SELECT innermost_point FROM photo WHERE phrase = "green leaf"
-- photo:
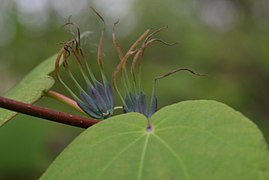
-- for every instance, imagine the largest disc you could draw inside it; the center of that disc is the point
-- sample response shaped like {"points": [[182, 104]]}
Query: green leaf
{"points": [[31, 88], [190, 140]]}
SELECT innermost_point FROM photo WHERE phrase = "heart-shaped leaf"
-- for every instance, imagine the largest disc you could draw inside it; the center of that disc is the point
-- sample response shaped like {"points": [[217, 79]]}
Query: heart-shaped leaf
{"points": [[31, 88], [189, 140]]}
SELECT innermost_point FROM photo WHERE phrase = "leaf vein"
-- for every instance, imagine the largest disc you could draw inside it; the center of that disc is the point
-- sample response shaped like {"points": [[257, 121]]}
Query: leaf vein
{"points": [[173, 152], [116, 156], [113, 136]]}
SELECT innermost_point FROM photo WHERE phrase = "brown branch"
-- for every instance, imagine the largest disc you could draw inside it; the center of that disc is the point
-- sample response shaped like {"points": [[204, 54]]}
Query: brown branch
{"points": [[46, 113]]}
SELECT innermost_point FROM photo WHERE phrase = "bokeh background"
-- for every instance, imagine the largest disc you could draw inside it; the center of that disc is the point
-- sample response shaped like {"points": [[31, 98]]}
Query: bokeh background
{"points": [[226, 39]]}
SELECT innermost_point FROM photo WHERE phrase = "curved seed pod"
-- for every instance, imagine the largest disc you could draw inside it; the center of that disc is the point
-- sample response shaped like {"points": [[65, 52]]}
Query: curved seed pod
{"points": [[98, 99], [129, 103], [141, 103], [88, 110], [90, 103], [153, 106], [153, 101], [107, 94]]}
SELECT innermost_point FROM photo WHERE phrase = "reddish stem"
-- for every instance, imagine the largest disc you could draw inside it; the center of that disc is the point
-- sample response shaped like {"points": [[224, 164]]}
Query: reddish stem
{"points": [[46, 113]]}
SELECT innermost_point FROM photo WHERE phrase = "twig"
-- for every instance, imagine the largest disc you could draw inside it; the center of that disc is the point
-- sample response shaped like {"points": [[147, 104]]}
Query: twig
{"points": [[46, 113], [64, 99]]}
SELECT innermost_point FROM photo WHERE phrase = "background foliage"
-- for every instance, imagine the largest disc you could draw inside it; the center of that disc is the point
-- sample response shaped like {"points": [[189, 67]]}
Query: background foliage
{"points": [[226, 39]]}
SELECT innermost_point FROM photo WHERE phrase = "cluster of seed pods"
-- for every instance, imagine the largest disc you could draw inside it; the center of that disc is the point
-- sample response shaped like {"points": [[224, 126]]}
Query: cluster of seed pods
{"points": [[97, 99]]}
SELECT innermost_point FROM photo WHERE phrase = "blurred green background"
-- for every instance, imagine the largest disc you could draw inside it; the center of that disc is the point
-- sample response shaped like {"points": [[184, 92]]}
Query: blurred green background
{"points": [[226, 39]]}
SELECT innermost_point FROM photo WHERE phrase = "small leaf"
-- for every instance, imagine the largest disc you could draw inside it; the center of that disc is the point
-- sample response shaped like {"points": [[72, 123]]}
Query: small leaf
{"points": [[31, 88], [190, 140]]}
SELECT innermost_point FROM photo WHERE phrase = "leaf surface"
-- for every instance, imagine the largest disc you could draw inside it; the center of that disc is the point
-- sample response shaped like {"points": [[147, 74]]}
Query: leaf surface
{"points": [[190, 140], [31, 88]]}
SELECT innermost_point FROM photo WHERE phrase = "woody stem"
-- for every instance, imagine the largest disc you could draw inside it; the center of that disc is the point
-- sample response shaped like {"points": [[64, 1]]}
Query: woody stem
{"points": [[46, 113]]}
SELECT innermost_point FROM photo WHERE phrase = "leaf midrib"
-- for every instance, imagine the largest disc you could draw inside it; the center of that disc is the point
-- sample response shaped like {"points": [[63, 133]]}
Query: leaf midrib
{"points": [[141, 164]]}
